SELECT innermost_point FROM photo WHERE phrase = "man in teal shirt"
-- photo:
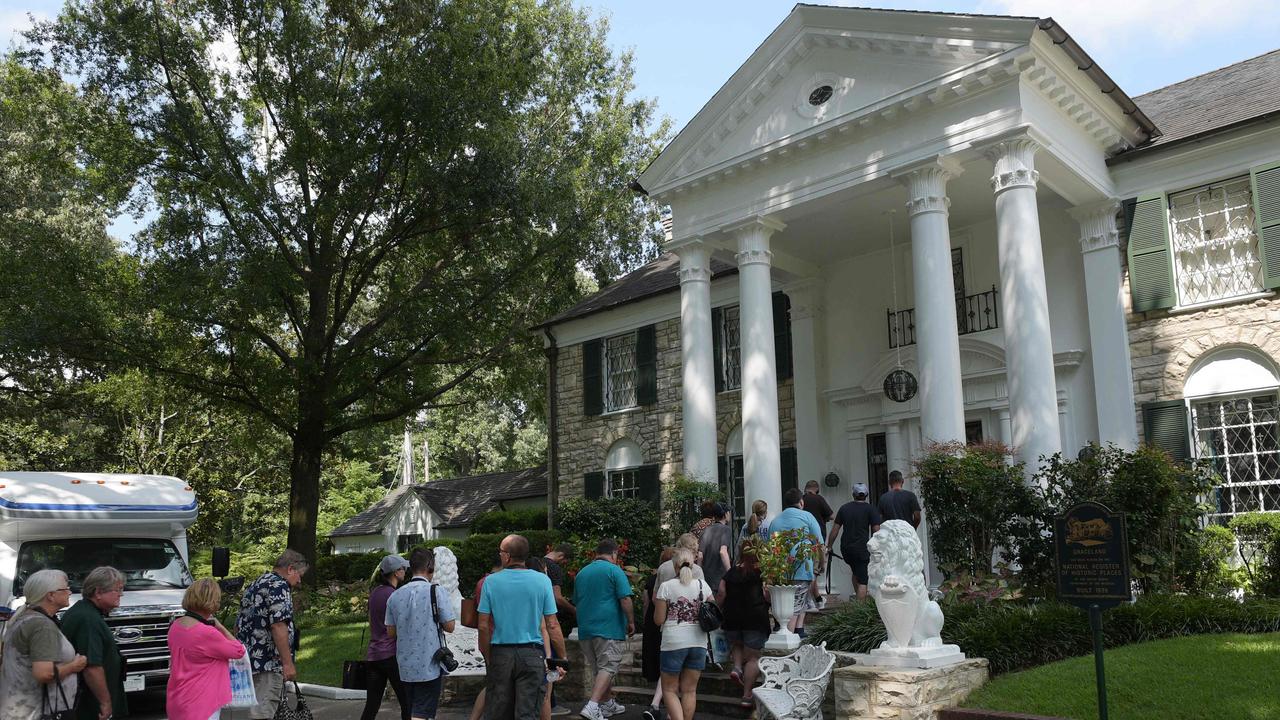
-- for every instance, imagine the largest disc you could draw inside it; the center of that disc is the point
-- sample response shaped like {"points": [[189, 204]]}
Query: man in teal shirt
{"points": [[602, 595], [792, 518]]}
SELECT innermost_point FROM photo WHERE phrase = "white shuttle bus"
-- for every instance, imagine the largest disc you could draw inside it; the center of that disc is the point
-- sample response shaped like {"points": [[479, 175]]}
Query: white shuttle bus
{"points": [[75, 522]]}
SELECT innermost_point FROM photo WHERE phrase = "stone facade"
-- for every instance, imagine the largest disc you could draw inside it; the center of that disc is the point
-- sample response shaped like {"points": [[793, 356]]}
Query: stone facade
{"points": [[868, 691], [584, 441]]}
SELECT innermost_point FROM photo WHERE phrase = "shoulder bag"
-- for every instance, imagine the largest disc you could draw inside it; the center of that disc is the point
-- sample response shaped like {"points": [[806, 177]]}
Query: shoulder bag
{"points": [[709, 615], [300, 711], [49, 704], [470, 613], [355, 673]]}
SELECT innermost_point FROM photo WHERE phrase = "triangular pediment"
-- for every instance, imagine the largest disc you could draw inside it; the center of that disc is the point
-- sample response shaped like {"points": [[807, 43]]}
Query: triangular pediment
{"points": [[823, 64]]}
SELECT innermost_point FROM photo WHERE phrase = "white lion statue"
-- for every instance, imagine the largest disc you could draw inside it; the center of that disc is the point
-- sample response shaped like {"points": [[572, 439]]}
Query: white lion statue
{"points": [[896, 581]]}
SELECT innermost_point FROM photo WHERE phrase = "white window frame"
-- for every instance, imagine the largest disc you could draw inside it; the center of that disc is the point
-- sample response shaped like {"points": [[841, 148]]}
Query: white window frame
{"points": [[1230, 484], [730, 353], [1238, 267], [622, 482], [626, 398]]}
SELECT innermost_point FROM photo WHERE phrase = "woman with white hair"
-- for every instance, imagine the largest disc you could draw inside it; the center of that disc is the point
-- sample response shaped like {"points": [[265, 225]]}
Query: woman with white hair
{"points": [[85, 625], [40, 665]]}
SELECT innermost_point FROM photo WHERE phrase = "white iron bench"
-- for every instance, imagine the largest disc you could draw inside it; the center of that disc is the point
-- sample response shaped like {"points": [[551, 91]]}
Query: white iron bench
{"points": [[465, 644], [795, 685]]}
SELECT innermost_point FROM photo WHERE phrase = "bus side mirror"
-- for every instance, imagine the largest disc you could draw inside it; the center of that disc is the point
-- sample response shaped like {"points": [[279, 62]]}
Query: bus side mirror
{"points": [[221, 562]]}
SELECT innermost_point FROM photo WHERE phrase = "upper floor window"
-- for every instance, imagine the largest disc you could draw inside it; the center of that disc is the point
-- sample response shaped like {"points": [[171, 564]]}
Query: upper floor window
{"points": [[620, 372], [1215, 247], [730, 334], [726, 336]]}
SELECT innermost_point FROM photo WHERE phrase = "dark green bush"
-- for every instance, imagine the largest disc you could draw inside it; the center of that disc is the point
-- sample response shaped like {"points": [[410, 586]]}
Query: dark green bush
{"points": [[1020, 636], [635, 521], [475, 554], [1267, 583], [1204, 567], [1257, 532], [347, 567], [682, 500], [509, 521]]}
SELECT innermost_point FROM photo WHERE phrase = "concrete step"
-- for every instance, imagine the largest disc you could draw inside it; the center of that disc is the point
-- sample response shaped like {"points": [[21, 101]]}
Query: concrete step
{"points": [[713, 681], [637, 699]]}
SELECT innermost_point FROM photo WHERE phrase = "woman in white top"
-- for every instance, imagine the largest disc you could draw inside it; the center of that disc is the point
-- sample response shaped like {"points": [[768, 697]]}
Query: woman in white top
{"points": [[684, 644]]}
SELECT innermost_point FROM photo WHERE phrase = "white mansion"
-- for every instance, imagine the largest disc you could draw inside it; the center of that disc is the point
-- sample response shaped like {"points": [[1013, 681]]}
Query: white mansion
{"points": [[890, 228]]}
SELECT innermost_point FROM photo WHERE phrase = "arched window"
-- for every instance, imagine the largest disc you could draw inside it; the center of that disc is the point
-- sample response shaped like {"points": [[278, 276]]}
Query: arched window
{"points": [[622, 469], [732, 483], [1232, 394]]}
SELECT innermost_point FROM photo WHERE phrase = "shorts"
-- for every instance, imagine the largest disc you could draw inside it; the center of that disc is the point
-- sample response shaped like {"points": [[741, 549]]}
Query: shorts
{"points": [[423, 697], [802, 597], [858, 561], [269, 688], [753, 639], [602, 654], [673, 661]]}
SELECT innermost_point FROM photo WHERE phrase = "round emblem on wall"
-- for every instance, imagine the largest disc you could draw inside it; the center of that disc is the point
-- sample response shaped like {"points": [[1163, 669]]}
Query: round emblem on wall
{"points": [[820, 95], [900, 385]]}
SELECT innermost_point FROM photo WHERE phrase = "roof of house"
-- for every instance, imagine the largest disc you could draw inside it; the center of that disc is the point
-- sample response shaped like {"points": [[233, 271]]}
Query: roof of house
{"points": [[1215, 101], [456, 501], [654, 278]]}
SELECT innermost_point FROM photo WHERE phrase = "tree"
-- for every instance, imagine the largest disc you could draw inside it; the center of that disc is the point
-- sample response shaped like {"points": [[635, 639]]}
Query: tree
{"points": [[358, 205]]}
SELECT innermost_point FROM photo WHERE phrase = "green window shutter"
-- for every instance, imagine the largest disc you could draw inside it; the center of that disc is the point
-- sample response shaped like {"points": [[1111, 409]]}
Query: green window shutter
{"points": [[1166, 428], [650, 485], [782, 334], [790, 470], [717, 346], [1150, 259], [1266, 218], [592, 377], [646, 366], [593, 485]]}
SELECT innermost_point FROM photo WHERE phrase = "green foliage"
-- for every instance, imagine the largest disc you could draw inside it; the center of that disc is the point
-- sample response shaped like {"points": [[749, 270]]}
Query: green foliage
{"points": [[1257, 532], [348, 488], [1000, 584], [509, 521], [977, 502], [783, 554], [681, 500], [1204, 565], [347, 568], [475, 555], [1267, 582], [635, 521], [1018, 636], [1159, 497]]}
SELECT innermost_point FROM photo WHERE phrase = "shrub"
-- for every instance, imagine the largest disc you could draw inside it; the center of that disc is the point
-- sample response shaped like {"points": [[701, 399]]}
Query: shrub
{"points": [[1257, 532], [475, 554], [619, 518], [1267, 583], [510, 521], [1016, 637], [347, 567], [1204, 568], [681, 499]]}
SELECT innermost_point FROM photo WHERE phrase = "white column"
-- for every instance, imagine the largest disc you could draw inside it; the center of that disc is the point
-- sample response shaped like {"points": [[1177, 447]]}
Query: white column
{"points": [[895, 447], [1108, 335], [761, 464], [937, 339], [698, 388], [1024, 302], [811, 455], [857, 459], [1006, 428]]}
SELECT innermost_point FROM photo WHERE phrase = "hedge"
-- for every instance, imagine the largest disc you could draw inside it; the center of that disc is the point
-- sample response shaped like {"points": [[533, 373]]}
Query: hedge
{"points": [[510, 521], [1017, 636], [357, 567], [475, 556]]}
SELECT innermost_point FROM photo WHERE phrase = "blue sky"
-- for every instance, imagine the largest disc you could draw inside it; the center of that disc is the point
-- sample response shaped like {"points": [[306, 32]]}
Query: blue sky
{"points": [[686, 49]]}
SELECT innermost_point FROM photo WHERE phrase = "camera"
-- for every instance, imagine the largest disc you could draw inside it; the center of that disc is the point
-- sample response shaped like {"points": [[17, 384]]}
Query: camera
{"points": [[445, 657]]}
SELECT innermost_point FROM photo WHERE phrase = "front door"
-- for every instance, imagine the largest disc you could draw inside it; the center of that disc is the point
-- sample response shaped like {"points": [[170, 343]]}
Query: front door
{"points": [[877, 466]]}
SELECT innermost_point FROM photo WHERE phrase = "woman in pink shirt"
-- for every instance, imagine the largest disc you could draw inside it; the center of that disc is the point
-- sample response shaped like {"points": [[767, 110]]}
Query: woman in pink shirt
{"points": [[199, 651]]}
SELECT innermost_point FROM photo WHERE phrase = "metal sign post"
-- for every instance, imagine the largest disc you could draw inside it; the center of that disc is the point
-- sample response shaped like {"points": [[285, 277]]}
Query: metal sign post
{"points": [[1092, 553]]}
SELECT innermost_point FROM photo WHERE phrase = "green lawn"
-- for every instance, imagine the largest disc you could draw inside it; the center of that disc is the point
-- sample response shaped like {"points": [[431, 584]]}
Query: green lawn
{"points": [[324, 648], [1187, 678]]}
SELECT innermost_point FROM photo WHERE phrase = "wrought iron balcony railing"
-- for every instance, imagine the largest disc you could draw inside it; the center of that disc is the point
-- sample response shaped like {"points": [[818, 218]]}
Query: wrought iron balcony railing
{"points": [[974, 313]]}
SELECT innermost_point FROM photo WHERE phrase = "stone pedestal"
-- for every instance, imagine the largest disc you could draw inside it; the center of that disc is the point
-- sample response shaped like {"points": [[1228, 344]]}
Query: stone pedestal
{"points": [[916, 657], [884, 693]]}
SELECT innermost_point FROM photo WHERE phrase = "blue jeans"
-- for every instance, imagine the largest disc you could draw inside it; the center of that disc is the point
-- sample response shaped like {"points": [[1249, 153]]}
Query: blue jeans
{"points": [[673, 661]]}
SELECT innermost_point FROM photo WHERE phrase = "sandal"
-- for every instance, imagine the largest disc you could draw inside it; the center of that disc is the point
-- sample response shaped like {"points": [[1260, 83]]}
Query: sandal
{"points": [[747, 702], [736, 676]]}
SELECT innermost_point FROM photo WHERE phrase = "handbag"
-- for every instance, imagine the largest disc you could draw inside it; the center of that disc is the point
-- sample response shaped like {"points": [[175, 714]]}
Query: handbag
{"points": [[300, 711], [355, 673], [470, 616], [48, 705], [709, 615], [242, 693]]}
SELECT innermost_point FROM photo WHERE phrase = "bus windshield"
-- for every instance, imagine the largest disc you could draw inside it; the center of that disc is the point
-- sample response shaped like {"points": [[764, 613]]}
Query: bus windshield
{"points": [[147, 564]]}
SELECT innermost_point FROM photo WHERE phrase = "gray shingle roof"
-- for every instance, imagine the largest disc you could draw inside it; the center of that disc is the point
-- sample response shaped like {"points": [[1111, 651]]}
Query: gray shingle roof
{"points": [[1216, 100], [456, 500], [656, 278]]}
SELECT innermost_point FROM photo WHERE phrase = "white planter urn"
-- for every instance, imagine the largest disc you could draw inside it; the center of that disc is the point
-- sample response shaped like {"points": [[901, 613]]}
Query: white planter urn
{"points": [[782, 604]]}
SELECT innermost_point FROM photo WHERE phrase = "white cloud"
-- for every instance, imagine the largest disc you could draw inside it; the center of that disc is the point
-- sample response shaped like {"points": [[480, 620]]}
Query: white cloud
{"points": [[1099, 25]]}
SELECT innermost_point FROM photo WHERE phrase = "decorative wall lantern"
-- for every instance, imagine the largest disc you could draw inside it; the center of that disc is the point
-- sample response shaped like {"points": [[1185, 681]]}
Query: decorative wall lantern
{"points": [[900, 385], [832, 479]]}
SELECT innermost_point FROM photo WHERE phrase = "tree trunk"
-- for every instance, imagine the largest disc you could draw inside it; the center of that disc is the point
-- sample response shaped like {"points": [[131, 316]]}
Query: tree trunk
{"points": [[304, 490]]}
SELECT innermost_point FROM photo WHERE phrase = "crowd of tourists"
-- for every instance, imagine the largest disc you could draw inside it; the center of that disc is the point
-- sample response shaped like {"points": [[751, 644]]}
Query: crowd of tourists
{"points": [[62, 662]]}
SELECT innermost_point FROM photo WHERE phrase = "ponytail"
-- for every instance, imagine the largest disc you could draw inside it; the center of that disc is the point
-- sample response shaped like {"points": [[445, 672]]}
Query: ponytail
{"points": [[758, 510], [683, 560]]}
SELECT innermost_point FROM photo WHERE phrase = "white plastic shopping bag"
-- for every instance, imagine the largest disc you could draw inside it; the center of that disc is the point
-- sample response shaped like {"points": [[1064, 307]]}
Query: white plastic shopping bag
{"points": [[242, 694], [719, 647]]}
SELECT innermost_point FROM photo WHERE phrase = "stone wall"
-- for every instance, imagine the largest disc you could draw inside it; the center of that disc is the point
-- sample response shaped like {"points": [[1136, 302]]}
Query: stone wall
{"points": [[867, 692], [584, 441]]}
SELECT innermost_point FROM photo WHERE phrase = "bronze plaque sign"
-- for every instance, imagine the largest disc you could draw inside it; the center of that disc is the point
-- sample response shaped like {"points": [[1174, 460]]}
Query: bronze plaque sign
{"points": [[1092, 553]]}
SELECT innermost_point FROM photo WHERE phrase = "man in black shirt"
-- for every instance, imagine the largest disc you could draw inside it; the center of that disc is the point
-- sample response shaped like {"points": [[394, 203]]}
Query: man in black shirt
{"points": [[817, 506], [899, 504], [858, 519], [566, 613]]}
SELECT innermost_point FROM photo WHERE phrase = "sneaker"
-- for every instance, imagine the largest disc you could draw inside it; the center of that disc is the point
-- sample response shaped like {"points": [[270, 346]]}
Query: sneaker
{"points": [[651, 713], [591, 713], [611, 708], [559, 710]]}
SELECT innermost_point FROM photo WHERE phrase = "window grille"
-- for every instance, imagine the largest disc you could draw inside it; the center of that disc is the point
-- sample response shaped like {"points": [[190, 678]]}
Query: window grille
{"points": [[1215, 247], [731, 347], [623, 484], [620, 372], [1238, 435]]}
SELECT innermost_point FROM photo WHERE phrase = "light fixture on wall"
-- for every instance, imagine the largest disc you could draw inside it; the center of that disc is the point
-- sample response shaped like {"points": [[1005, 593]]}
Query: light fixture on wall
{"points": [[832, 479]]}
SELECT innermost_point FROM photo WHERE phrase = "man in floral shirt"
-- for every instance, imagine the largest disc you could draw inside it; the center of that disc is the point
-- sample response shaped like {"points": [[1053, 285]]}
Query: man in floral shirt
{"points": [[265, 626]]}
